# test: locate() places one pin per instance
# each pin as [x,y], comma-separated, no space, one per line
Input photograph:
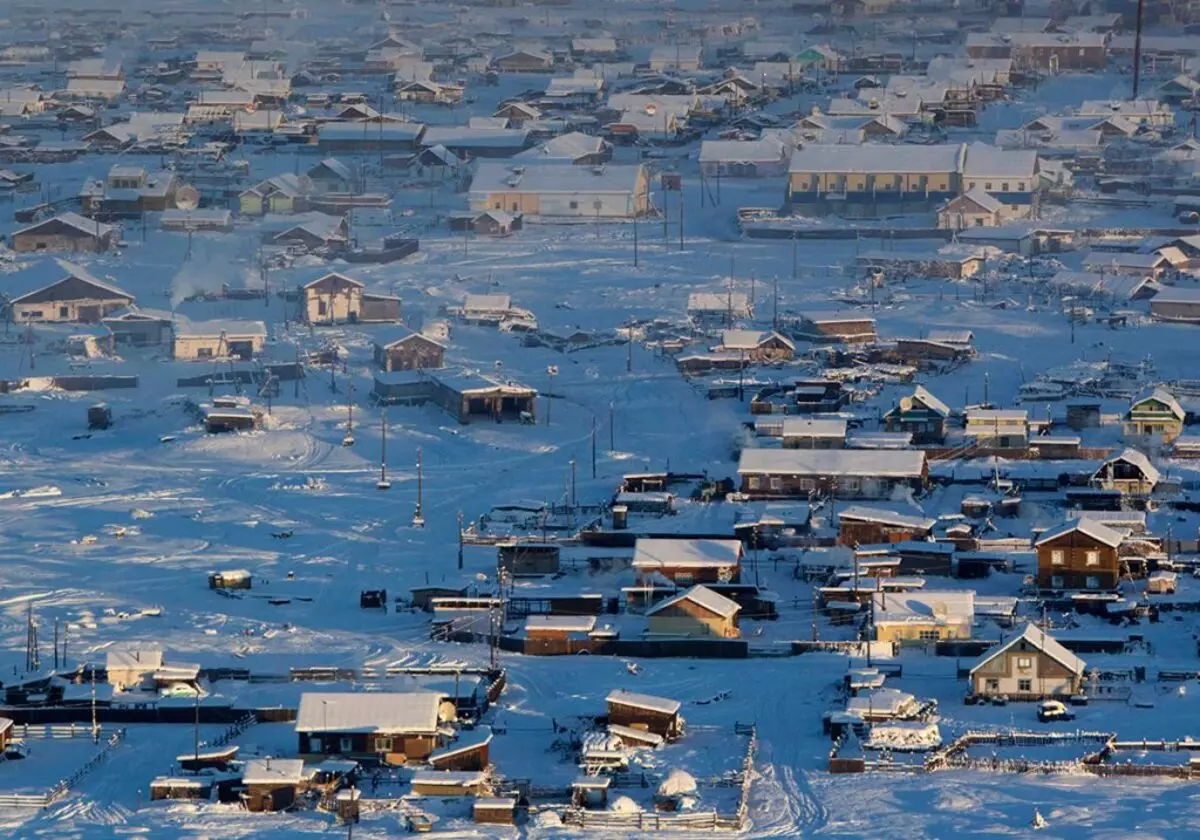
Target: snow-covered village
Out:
[765,418]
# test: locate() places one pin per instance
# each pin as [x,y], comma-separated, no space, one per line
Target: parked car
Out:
[1050,711]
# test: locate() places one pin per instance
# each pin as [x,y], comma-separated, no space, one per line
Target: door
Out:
[89,314]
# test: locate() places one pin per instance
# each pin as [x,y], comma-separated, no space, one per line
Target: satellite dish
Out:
[651,109]
[187,197]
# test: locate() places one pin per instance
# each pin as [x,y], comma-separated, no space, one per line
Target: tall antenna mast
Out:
[418,519]
[348,440]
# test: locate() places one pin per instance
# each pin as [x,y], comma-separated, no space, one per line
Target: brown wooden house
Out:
[399,726]
[404,349]
[921,414]
[6,733]
[495,811]
[273,784]
[1029,666]
[468,752]
[698,612]
[65,232]
[1081,554]
[859,525]
[659,715]
[689,561]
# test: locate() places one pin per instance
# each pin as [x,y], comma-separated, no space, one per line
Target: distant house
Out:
[139,327]
[974,208]
[689,561]
[286,193]
[65,232]
[995,428]
[860,525]
[517,113]
[273,784]
[698,612]
[472,142]
[572,148]
[758,345]
[1079,554]
[1156,415]
[683,58]
[914,177]
[204,340]
[921,414]
[1176,304]
[807,432]
[1129,472]
[709,309]
[332,176]
[469,397]
[336,299]
[524,61]
[610,191]
[1009,176]
[1135,265]
[659,715]
[1179,90]
[763,158]
[398,726]
[64,292]
[842,473]
[1029,666]
[923,616]
[318,231]
[407,350]
[129,666]
[363,138]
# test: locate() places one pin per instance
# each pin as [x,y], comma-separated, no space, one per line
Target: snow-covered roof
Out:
[766,149]
[750,339]
[895,159]
[229,328]
[1163,396]
[641,736]
[952,606]
[561,623]
[273,771]
[650,554]
[148,658]
[487,303]
[890,701]
[814,427]
[702,596]
[662,705]
[1138,459]
[987,161]
[90,227]
[448,778]
[467,740]
[868,463]
[883,516]
[544,178]
[50,273]
[1089,527]
[736,302]
[387,712]
[987,202]
[566,148]
[1039,640]
[1176,294]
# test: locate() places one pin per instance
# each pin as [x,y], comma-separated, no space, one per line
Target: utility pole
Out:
[775,303]
[383,483]
[612,430]
[418,518]
[196,730]
[1137,50]
[460,541]
[348,440]
[551,370]
[574,497]
[593,464]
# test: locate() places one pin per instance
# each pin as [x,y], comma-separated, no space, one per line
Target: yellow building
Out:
[830,176]
[202,340]
[605,191]
[1157,415]
[698,612]
[923,616]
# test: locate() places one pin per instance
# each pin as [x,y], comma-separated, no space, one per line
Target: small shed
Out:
[522,559]
[468,753]
[174,787]
[590,791]
[347,805]
[272,784]
[495,810]
[659,715]
[448,783]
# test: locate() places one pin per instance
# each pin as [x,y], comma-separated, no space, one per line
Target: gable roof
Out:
[978,196]
[335,274]
[1138,459]
[665,705]
[72,272]
[883,516]
[1163,396]
[1039,640]
[702,596]
[84,225]
[686,554]
[1088,527]
[399,335]
[924,396]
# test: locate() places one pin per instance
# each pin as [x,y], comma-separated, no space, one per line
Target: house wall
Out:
[686,619]
[467,760]
[411,355]
[1074,569]
[87,310]
[1149,424]
[194,347]
[923,429]
[921,631]
[808,186]
[1046,677]
[332,303]
[876,533]
[78,243]
[638,718]
[251,204]
[799,486]
[1177,311]
[688,576]
[367,745]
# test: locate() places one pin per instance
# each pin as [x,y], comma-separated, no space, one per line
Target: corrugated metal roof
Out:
[386,712]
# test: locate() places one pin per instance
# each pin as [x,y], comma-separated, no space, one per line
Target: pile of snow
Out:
[548,819]
[905,736]
[624,805]
[677,783]
[141,513]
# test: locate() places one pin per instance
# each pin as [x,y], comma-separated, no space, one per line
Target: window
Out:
[1024,662]
[31,313]
[383,743]
[1093,582]
[970,185]
[574,205]
[64,312]
[320,307]
[754,482]
[1004,187]
[776,483]
[1025,686]
[1056,582]
[929,636]
[41,246]
[515,207]
[345,745]
[987,185]
[1093,558]
[314,744]
[204,353]
[1020,186]
[684,578]
[979,221]
[1058,557]
[993,685]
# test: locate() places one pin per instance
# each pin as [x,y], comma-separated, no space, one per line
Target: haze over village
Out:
[546,419]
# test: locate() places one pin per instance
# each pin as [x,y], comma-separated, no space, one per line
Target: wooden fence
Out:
[645,821]
[60,790]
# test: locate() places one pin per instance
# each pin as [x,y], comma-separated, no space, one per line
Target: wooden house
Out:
[1155,416]
[180,787]
[469,397]
[231,579]
[6,733]
[524,61]
[332,176]
[994,428]
[841,473]
[403,349]
[974,208]
[442,783]
[1176,304]
[558,627]
[62,292]
[698,612]
[469,752]
[273,784]
[206,340]
[659,715]
[285,193]
[397,726]
[861,525]
[1129,472]
[689,561]
[812,432]
[491,810]
[1029,666]
[130,666]
[68,231]
[824,178]
[1079,554]
[921,414]
[923,616]
[757,345]
[332,299]
[496,223]
[548,189]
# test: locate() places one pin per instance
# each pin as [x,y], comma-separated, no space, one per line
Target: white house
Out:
[1010,176]
[606,191]
[767,157]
